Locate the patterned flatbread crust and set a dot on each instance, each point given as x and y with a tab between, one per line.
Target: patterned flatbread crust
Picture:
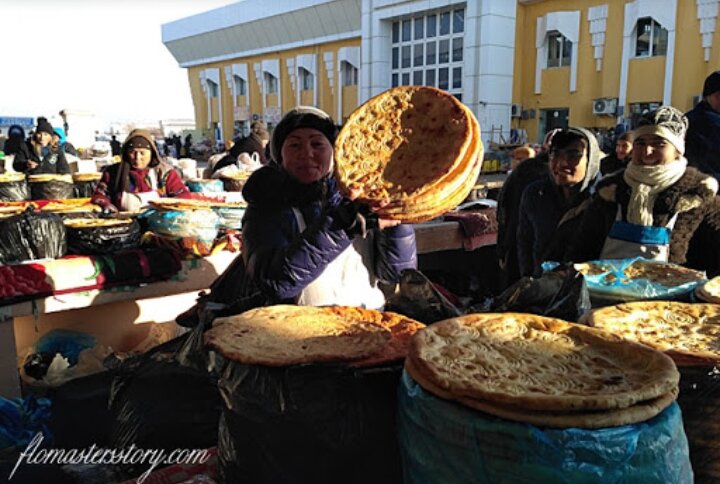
688	333
665	274
286	335
710	291
417	147
597	419
84	177
401	328
11	177
539	363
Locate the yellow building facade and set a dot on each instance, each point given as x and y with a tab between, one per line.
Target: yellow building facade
625	57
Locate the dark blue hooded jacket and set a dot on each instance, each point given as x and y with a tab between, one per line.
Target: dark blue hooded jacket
281	260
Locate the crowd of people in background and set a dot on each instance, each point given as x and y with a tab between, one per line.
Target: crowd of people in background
653	195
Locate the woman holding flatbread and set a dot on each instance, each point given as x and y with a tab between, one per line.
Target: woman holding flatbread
303	242
141	176
551	208
658	207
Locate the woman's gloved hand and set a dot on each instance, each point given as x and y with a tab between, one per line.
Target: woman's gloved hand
357	218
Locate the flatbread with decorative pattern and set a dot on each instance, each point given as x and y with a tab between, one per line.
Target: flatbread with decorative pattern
286	335
539	363
688	333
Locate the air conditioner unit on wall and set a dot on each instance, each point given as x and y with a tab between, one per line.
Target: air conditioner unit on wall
605	107
516	111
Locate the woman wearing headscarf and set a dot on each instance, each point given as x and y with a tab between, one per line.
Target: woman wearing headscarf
620	158
658	208
551	208
59	139
39	155
140	176
303	242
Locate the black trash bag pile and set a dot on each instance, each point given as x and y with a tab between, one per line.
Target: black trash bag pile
104	239
84	189
418	299
14	191
699	400
165	399
309	423
30	235
52	190
560	293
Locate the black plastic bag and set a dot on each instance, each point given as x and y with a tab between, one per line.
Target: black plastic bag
165	399
418	299
103	240
309	424
14	191
85	189
699	400
52	190
30	235
560	293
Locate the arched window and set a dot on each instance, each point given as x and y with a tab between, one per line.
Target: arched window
271	84
559	50
240	86
651	38
349	74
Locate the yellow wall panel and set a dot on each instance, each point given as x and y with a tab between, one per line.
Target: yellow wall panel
349	102
641	74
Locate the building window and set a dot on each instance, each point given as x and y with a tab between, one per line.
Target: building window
240	86
349	74
559	50
429	50
651	39
306	79
271	84
212	88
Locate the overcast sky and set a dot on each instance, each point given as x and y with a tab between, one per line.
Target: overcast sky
101	56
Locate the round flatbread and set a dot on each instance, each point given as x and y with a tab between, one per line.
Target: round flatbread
86	223
662	273
597	419
710	291
183	204
401	330
539	363
47	177
403	142
11	177
286	335
688	333
84	177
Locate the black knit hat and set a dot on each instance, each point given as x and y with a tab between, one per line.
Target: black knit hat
44	127
301	117
712	84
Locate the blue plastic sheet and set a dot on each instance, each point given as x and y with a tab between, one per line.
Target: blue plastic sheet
205	186
21	420
201	225
230	218
612	284
68	343
444	442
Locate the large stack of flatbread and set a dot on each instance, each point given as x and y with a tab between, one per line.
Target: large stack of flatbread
286	335
688	333
542	371
416	147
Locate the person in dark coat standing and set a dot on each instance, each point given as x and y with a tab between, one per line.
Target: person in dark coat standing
16	138
659	208
255	142
303	242
620	157
115	146
551	208
527	172
702	142
39	155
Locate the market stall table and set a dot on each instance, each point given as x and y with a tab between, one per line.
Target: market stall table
108	313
